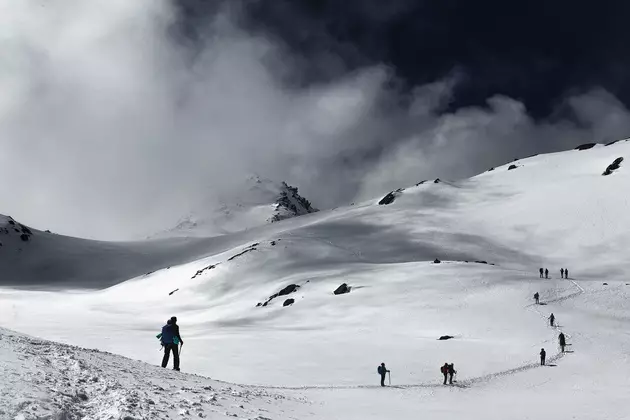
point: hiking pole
(181, 347)
(389, 375)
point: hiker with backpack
(541, 272)
(566, 273)
(444, 370)
(537, 298)
(543, 356)
(546, 273)
(171, 339)
(562, 273)
(563, 341)
(382, 370)
(451, 372)
(552, 319)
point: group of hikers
(171, 341)
(564, 273)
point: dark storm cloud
(119, 117)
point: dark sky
(535, 51)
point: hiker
(563, 341)
(170, 340)
(543, 355)
(546, 273)
(451, 372)
(382, 370)
(541, 272)
(537, 298)
(552, 318)
(566, 273)
(562, 273)
(444, 370)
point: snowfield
(317, 357)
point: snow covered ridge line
(43, 379)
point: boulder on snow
(343, 289)
(24, 237)
(26, 230)
(512, 167)
(436, 261)
(446, 337)
(289, 289)
(388, 199)
(491, 169)
(613, 166)
(481, 262)
(605, 284)
(288, 302)
(259, 304)
(585, 146)
(437, 181)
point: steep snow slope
(258, 202)
(550, 211)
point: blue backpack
(167, 335)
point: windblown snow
(442, 258)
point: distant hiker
(451, 372)
(171, 339)
(541, 272)
(563, 342)
(552, 319)
(546, 273)
(444, 370)
(562, 273)
(382, 370)
(566, 273)
(537, 298)
(543, 355)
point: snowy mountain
(258, 202)
(445, 258)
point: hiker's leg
(175, 357)
(167, 351)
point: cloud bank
(112, 128)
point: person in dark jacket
(543, 355)
(566, 273)
(546, 273)
(563, 341)
(537, 298)
(562, 273)
(171, 340)
(451, 372)
(444, 370)
(541, 272)
(552, 319)
(382, 370)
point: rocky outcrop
(288, 302)
(446, 337)
(390, 197)
(290, 204)
(343, 289)
(285, 291)
(585, 146)
(613, 166)
(436, 261)
(511, 167)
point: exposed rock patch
(446, 337)
(390, 197)
(613, 166)
(585, 146)
(288, 302)
(343, 289)
(511, 167)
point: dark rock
(481, 262)
(421, 182)
(11, 222)
(342, 289)
(491, 169)
(24, 237)
(585, 146)
(266, 303)
(26, 230)
(288, 290)
(512, 167)
(388, 199)
(173, 292)
(250, 249)
(259, 304)
(288, 302)
(436, 261)
(613, 166)
(47, 231)
(273, 243)
(605, 284)
(612, 142)
(200, 272)
(446, 337)
(437, 181)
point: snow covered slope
(554, 211)
(258, 202)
